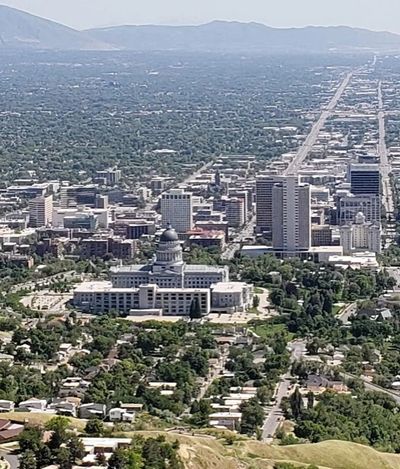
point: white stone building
(361, 235)
(167, 286)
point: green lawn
(336, 309)
(268, 330)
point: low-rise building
(231, 296)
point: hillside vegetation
(207, 453)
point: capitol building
(165, 286)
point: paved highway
(384, 163)
(274, 417)
(311, 139)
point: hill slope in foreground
(206, 453)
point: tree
(31, 439)
(94, 427)
(256, 301)
(63, 458)
(197, 359)
(201, 411)
(296, 403)
(252, 416)
(277, 296)
(117, 460)
(310, 400)
(101, 459)
(328, 304)
(27, 460)
(58, 426)
(76, 448)
(195, 309)
(264, 394)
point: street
(347, 312)
(311, 139)
(246, 232)
(274, 417)
(373, 387)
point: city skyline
(83, 14)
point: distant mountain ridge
(21, 30)
(244, 37)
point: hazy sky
(373, 14)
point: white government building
(166, 286)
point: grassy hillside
(207, 453)
(328, 454)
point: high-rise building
(177, 210)
(264, 185)
(109, 177)
(349, 205)
(321, 235)
(361, 235)
(235, 212)
(291, 215)
(241, 194)
(41, 211)
(364, 179)
(72, 196)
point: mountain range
(21, 30)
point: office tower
(177, 210)
(244, 195)
(264, 185)
(158, 185)
(321, 235)
(235, 212)
(41, 211)
(364, 179)
(101, 201)
(291, 215)
(71, 196)
(349, 205)
(218, 178)
(109, 177)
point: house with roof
(9, 431)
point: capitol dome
(169, 235)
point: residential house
(228, 420)
(9, 431)
(92, 410)
(118, 414)
(33, 405)
(6, 406)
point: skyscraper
(364, 179)
(177, 210)
(264, 185)
(41, 211)
(291, 215)
(235, 212)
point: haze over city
(81, 14)
(199, 234)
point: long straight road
(274, 417)
(384, 163)
(311, 139)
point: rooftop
(228, 287)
